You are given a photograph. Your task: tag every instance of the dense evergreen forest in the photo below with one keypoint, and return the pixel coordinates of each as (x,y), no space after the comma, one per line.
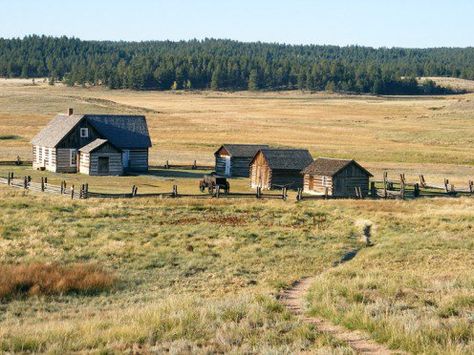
(230,65)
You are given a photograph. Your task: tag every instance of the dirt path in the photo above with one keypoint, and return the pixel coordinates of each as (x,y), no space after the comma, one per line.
(294,299)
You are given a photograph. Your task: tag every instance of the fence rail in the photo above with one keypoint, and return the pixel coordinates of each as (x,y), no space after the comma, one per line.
(83,192)
(192,166)
(384,189)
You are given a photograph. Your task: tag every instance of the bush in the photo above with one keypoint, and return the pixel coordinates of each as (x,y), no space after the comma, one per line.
(52,279)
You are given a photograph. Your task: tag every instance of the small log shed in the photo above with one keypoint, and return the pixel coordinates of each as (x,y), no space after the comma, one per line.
(276,168)
(233,160)
(340,177)
(100,157)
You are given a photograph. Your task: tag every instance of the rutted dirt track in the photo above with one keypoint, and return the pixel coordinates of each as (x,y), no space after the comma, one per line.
(294,299)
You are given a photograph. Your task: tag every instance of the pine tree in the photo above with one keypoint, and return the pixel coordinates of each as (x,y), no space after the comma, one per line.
(253,84)
(216,79)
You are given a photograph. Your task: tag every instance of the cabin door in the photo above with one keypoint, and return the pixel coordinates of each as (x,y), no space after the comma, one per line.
(227,166)
(103,166)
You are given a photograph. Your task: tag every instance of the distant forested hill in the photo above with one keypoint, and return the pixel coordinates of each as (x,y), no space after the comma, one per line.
(231,65)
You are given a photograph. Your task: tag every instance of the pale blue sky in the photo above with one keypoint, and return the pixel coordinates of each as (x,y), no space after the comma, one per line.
(403,23)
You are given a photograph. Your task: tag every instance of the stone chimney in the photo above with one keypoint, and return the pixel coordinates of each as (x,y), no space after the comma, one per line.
(70,112)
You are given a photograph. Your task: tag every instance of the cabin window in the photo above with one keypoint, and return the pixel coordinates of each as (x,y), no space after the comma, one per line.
(72,157)
(325,181)
(84,132)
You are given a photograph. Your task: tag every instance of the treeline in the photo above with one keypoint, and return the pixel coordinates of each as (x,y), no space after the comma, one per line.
(230,65)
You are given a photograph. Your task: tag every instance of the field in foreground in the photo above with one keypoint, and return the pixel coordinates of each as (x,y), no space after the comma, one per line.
(203,275)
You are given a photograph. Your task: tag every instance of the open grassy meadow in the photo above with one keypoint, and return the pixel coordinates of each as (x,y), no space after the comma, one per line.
(203,276)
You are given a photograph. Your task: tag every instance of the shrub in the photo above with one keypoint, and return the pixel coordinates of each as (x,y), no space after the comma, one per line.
(52,279)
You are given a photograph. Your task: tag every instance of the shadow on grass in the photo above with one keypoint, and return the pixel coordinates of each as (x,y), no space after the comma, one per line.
(170,173)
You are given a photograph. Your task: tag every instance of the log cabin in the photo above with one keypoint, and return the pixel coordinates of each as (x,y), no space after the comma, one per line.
(57,147)
(276,168)
(233,160)
(339,177)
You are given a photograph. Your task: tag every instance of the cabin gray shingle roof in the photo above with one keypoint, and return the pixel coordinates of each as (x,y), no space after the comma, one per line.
(122,131)
(93,145)
(330,166)
(242,150)
(56,130)
(287,159)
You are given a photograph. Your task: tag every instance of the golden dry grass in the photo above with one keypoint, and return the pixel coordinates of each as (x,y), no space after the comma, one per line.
(454,83)
(404,134)
(38,279)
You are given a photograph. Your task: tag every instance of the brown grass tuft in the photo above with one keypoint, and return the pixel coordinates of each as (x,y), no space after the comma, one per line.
(52,279)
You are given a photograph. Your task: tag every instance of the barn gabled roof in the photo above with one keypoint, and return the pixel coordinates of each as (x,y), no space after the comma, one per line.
(242,150)
(287,159)
(95,144)
(331,167)
(123,131)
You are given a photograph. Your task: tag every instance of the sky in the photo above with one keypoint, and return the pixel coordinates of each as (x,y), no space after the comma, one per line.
(382,23)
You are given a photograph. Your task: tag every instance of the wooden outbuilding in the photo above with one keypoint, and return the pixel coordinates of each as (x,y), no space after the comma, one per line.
(56,147)
(276,168)
(337,177)
(100,157)
(234,159)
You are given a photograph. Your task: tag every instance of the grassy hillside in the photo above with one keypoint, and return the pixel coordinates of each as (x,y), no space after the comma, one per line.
(414,289)
(192,275)
(203,275)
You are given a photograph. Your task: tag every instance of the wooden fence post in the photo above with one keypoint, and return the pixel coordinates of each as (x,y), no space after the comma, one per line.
(299,196)
(259,192)
(86,190)
(9,179)
(72,192)
(175,190)
(373,190)
(283,193)
(422,181)
(416,190)
(385,175)
(42,184)
(25,182)
(471,186)
(167,165)
(133,191)
(194,167)
(402,186)
(446,183)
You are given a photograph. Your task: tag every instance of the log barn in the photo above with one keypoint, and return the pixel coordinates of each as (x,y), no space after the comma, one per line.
(233,160)
(276,168)
(57,147)
(340,177)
